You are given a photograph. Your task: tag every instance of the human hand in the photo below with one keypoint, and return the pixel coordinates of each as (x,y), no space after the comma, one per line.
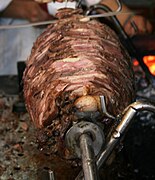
(132,23)
(26,9)
(137,24)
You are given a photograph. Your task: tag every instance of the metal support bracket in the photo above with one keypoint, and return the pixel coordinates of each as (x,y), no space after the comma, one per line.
(127,117)
(86,139)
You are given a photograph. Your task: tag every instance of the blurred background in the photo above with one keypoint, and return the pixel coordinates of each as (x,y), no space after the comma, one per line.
(145,7)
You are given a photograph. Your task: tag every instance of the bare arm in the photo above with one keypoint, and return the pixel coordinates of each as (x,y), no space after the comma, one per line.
(26,9)
(142,24)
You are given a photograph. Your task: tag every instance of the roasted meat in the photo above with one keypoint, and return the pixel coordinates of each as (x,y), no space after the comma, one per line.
(72,63)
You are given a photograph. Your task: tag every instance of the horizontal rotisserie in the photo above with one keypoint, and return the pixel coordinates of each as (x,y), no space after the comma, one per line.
(72,63)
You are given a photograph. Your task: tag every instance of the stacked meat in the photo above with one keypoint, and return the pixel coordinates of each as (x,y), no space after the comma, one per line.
(72,63)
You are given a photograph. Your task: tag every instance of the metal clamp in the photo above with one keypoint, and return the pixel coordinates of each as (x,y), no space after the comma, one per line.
(104,109)
(84,127)
(86,139)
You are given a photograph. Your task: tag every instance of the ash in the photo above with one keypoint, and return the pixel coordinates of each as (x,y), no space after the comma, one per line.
(16,145)
(20,157)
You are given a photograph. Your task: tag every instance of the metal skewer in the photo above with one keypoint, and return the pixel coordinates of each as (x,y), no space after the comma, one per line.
(134,26)
(51,175)
(88,157)
(66,1)
(108,14)
(86,139)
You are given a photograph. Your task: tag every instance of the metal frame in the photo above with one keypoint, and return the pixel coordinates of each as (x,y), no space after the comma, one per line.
(127,118)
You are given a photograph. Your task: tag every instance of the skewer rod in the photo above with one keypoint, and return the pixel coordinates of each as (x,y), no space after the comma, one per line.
(88,157)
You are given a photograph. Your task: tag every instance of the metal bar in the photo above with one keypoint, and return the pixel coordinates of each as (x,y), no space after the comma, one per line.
(143,105)
(51,175)
(116,136)
(88,158)
(127,118)
(78,4)
(129,114)
(114,140)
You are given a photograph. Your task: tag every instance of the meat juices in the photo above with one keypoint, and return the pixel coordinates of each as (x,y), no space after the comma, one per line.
(72,63)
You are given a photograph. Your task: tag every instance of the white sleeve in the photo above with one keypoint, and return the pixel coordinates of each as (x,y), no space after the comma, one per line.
(53,7)
(91,2)
(4,4)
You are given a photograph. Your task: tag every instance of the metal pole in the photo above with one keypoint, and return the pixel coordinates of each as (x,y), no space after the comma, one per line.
(129,114)
(116,136)
(88,157)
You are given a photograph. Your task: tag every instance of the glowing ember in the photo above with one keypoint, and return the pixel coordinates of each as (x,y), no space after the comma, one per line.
(150,62)
(135,62)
